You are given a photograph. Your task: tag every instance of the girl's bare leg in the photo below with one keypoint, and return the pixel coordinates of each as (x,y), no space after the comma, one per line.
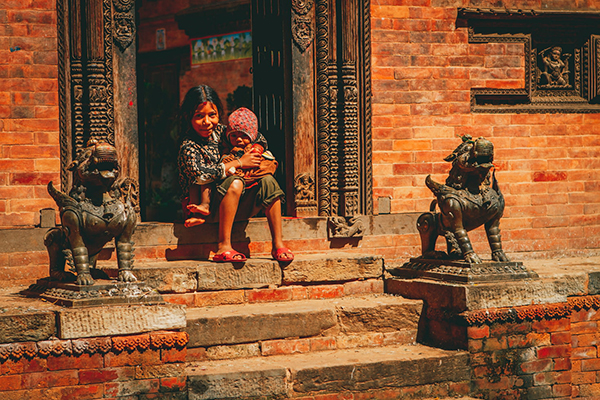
(273,214)
(227,211)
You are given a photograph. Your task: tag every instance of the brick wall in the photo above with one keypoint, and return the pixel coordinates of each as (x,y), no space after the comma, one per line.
(29,149)
(536,352)
(148,365)
(547,164)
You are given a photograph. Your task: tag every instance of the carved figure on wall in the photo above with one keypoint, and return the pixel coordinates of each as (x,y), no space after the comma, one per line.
(470,198)
(98,208)
(556,68)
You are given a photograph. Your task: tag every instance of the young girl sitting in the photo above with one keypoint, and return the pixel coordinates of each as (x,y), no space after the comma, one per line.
(200,164)
(242,137)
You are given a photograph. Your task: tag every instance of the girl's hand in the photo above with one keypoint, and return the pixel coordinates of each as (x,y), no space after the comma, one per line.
(250,160)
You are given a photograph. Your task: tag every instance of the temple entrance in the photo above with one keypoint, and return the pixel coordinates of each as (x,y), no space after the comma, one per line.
(236,48)
(302,66)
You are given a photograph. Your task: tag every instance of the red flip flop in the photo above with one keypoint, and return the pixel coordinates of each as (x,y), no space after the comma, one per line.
(229,256)
(278,254)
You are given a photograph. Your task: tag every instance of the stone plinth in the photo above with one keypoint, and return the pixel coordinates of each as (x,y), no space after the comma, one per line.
(462,271)
(118,320)
(102,292)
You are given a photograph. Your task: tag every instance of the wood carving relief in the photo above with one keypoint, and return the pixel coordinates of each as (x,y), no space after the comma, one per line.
(302,23)
(343,79)
(561,63)
(87,31)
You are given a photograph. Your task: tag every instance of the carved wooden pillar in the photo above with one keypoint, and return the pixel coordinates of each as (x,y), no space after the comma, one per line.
(303,119)
(343,107)
(94,77)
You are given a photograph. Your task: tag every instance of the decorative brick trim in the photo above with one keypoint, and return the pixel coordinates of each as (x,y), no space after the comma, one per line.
(76,347)
(533,312)
(517,314)
(585,302)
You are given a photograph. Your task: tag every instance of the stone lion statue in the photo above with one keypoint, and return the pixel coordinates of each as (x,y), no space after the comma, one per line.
(470,198)
(98,208)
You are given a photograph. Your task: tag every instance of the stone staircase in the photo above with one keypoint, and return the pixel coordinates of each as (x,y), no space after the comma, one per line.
(318,328)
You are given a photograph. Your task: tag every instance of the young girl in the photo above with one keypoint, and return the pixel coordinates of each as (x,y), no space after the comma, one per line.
(199,164)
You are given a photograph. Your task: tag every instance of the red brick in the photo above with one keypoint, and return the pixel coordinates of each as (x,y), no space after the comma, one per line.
(562,364)
(551,325)
(478,332)
(292,346)
(84,361)
(10,382)
(554,351)
(50,379)
(196,354)
(23,366)
(322,343)
(561,338)
(119,389)
(105,375)
(326,292)
(267,295)
(173,384)
(536,366)
(173,355)
(205,299)
(126,358)
(590,365)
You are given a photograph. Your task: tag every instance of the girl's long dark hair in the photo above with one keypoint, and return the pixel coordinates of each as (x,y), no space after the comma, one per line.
(193,98)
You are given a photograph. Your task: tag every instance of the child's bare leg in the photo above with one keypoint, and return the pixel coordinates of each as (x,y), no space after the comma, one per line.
(193,221)
(204,206)
(273,214)
(199,199)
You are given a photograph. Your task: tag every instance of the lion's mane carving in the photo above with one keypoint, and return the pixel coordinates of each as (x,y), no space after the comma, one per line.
(98,208)
(470,198)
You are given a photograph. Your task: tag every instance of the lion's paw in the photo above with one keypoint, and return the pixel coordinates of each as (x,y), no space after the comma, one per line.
(126,276)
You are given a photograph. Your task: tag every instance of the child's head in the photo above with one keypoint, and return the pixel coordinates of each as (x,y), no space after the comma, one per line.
(200,98)
(243,127)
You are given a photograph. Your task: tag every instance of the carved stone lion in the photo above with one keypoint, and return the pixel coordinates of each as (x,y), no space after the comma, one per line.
(470,198)
(98,208)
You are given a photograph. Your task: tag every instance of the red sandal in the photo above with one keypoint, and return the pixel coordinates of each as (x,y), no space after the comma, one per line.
(279,254)
(229,256)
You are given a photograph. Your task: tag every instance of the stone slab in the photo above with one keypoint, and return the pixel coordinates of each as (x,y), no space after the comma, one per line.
(329,371)
(246,323)
(380,313)
(332,267)
(253,274)
(236,324)
(26,325)
(235,385)
(118,320)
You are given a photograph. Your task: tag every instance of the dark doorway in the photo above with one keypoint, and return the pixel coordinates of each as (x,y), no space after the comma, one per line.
(158,90)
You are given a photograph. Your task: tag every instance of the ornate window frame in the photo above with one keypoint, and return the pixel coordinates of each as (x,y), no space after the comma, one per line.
(576,38)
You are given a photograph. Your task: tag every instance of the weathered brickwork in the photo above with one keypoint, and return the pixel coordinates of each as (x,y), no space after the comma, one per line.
(537,352)
(29,148)
(147,365)
(423,71)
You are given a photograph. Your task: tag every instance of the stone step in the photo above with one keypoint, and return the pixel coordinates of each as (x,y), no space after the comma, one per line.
(184,276)
(250,323)
(388,370)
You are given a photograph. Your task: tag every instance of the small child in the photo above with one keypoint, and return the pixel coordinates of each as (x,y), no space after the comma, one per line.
(242,137)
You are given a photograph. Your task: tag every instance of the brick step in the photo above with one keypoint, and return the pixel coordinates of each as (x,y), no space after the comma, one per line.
(301,326)
(387,372)
(201,283)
